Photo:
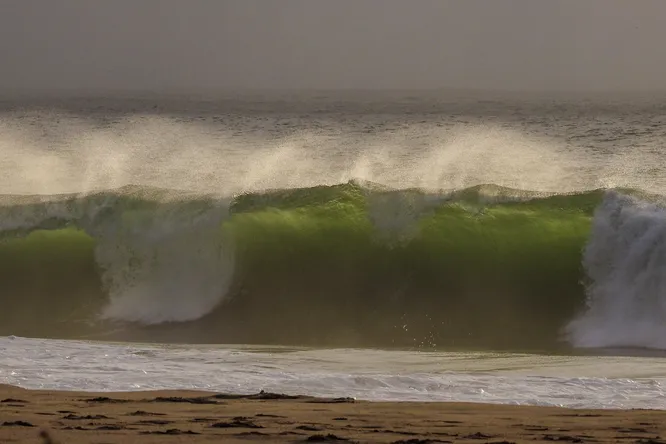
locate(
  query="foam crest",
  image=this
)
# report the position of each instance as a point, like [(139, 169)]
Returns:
[(625, 261)]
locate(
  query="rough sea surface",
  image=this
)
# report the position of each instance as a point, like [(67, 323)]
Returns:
[(422, 246)]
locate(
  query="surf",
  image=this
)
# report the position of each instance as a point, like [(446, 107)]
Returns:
[(308, 239), (352, 264)]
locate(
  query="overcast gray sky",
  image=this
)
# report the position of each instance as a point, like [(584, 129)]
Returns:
[(487, 44)]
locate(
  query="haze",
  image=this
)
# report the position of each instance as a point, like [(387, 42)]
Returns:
[(312, 44)]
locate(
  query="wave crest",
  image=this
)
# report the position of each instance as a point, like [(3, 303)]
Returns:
[(348, 264)]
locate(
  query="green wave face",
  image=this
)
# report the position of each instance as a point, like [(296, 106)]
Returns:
[(346, 265)]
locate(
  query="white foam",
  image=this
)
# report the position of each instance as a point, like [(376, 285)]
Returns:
[(570, 381), (158, 264), (625, 261)]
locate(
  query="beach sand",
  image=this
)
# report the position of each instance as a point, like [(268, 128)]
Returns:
[(184, 416)]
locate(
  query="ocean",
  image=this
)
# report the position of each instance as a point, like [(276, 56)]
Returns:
[(466, 246)]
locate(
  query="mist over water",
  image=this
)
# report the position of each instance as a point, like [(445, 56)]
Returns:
[(59, 152), (178, 217)]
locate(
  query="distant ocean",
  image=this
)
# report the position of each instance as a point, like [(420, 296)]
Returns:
[(402, 245)]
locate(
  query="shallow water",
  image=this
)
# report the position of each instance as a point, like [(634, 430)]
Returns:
[(524, 379)]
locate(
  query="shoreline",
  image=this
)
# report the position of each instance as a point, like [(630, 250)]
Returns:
[(198, 416)]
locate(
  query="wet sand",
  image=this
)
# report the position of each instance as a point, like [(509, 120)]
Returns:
[(184, 416)]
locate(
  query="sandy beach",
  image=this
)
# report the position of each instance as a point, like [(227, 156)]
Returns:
[(185, 416)]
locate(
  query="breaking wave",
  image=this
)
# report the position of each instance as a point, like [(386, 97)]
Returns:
[(350, 264)]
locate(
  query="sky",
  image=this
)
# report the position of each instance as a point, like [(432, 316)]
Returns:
[(549, 45)]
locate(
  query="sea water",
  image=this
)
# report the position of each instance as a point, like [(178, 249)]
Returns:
[(411, 244)]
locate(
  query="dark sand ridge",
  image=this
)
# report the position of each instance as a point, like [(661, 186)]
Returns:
[(186, 416)]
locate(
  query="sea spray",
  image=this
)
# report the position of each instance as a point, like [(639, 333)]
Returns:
[(65, 153)]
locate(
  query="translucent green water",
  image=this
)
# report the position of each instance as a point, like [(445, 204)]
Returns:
[(485, 266)]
